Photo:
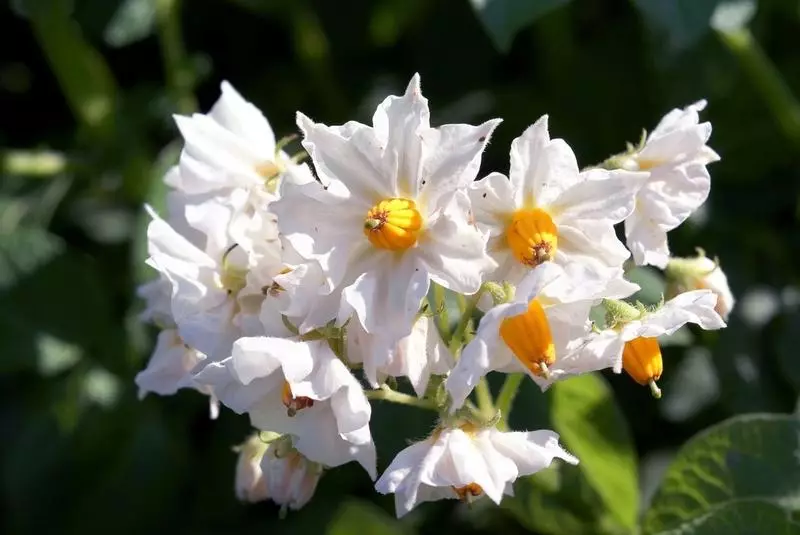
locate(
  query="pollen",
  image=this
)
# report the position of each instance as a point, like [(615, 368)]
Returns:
[(528, 336), (294, 404), (532, 236), (465, 493), (641, 359), (393, 224)]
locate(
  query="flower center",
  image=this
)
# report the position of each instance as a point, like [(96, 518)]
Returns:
[(532, 236), (466, 492), (641, 359), (232, 277), (528, 336), (393, 224), (292, 403)]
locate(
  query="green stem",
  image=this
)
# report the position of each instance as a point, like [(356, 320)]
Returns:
[(767, 80), (439, 306), (387, 394), (483, 395), (505, 400), (459, 335), (180, 79)]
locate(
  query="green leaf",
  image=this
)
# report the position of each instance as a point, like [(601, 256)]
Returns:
[(363, 517), (593, 428), (743, 517), (81, 71), (133, 21), (503, 19), (651, 283), (51, 300), (600, 495), (727, 470), (681, 23)]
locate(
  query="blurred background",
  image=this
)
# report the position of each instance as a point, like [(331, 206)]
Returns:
[(87, 90)]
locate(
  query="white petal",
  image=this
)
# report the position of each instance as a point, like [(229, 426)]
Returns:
[(452, 251), (405, 462), (587, 241), (646, 240), (387, 295), (451, 157), (461, 464), (243, 119), (398, 122), (531, 451), (350, 154), (690, 307), (167, 370), (486, 352), (492, 199), (601, 196), (541, 168)]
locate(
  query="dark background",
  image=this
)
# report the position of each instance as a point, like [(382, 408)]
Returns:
[(80, 454)]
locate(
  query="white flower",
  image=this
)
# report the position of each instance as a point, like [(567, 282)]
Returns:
[(203, 288), (299, 388), (700, 273), (231, 147), (541, 330), (275, 471), (675, 154), (549, 210), (467, 463), (634, 345), (250, 484), (389, 214), (291, 479), (417, 356), (170, 369)]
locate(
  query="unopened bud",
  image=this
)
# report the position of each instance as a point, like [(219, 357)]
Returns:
[(641, 359), (291, 479), (250, 484), (700, 273), (619, 312)]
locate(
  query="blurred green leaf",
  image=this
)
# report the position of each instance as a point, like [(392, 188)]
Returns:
[(743, 517), (681, 23), (788, 350), (651, 283), (503, 19), (81, 71), (593, 429), (733, 15), (48, 291), (752, 457), (601, 494), (364, 517), (133, 21)]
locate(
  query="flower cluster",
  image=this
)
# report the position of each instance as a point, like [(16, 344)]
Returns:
[(297, 297)]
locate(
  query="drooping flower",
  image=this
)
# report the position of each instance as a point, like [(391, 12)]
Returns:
[(541, 331), (390, 213), (467, 463), (170, 368), (675, 155), (698, 273), (548, 210), (298, 388), (250, 483), (269, 468), (632, 340)]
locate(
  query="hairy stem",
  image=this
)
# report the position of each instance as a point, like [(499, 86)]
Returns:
[(505, 400), (385, 393)]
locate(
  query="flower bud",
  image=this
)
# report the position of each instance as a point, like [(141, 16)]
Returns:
[(291, 478), (250, 484), (700, 273), (641, 359)]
